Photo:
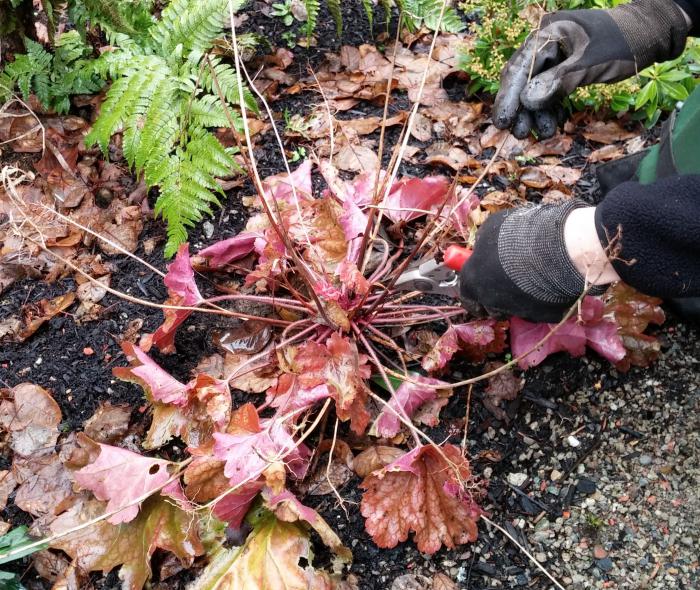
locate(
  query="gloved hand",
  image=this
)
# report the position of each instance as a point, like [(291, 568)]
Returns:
[(574, 48), (520, 265)]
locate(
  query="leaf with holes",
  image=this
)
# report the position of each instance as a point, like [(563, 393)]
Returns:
[(121, 477)]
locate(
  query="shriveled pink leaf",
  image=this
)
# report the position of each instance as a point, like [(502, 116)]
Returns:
[(225, 251), (352, 278), (281, 187), (410, 397), (156, 381), (248, 455), (410, 196), (121, 477), (182, 291), (477, 339), (591, 329)]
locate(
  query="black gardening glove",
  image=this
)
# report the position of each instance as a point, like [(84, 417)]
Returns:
[(520, 265), (575, 48)]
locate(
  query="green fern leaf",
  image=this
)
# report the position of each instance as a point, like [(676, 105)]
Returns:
[(312, 9), (334, 9), (193, 25), (369, 11), (187, 181), (228, 82)]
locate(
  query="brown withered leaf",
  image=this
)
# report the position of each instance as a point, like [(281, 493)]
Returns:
[(559, 145), (443, 582), (7, 486), (421, 129), (554, 196), (356, 158), (504, 386), (634, 312), (32, 418), (34, 315), (375, 457), (493, 138), (247, 337), (561, 174), (606, 153), (445, 154), (44, 492), (103, 546), (109, 424), (328, 477), (498, 200), (607, 132)]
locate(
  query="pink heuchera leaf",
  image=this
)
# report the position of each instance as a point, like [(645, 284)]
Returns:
[(225, 251), (120, 477), (289, 395), (410, 396), (233, 507), (425, 194), (279, 186), (248, 455), (590, 329), (157, 382), (182, 291), (475, 335)]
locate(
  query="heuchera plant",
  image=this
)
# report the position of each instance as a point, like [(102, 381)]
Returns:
[(321, 270)]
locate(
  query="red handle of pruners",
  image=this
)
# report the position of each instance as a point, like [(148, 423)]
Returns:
[(456, 256)]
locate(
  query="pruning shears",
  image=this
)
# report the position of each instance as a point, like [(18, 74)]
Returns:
[(439, 278)]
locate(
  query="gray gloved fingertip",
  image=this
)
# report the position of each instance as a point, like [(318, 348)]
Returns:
[(523, 125)]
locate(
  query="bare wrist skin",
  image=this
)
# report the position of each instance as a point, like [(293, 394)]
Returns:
[(584, 248)]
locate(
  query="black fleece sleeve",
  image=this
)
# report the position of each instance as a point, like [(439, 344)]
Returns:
[(658, 227), (692, 9)]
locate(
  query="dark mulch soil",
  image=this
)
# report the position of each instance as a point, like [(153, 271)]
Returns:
[(54, 358)]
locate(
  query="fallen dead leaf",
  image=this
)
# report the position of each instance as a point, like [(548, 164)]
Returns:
[(32, 418), (375, 457), (606, 153), (421, 129), (109, 424), (607, 132), (504, 386), (498, 200), (356, 158), (7, 486), (443, 582), (445, 154)]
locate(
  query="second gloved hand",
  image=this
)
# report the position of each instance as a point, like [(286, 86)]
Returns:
[(575, 48), (520, 265)]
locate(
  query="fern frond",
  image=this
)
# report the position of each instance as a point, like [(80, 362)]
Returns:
[(31, 71), (127, 101), (334, 9), (312, 10), (207, 111), (228, 82), (187, 180), (191, 24), (369, 11)]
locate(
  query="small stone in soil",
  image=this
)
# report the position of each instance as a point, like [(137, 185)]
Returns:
[(586, 486), (605, 564), (645, 460), (599, 552)]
